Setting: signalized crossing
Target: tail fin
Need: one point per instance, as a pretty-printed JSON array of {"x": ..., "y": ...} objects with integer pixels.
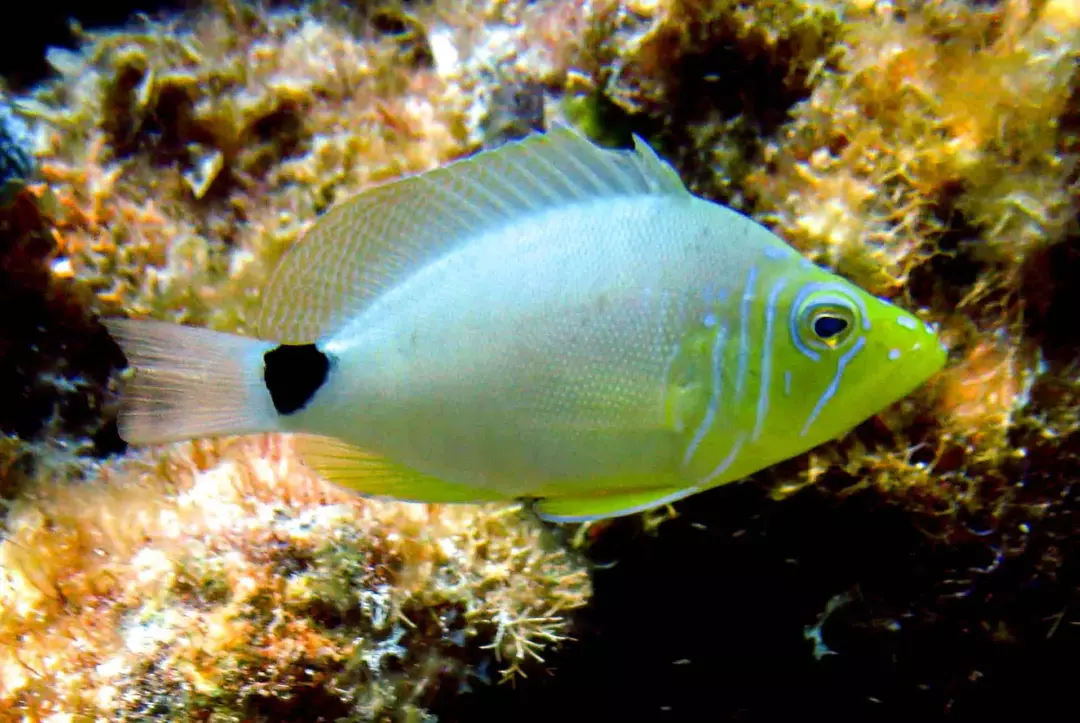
[{"x": 190, "y": 382}]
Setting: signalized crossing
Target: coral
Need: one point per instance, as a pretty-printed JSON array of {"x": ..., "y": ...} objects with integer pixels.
[
  {"x": 707, "y": 82},
  {"x": 946, "y": 109},
  {"x": 938, "y": 163},
  {"x": 188, "y": 154},
  {"x": 55, "y": 359},
  {"x": 927, "y": 150},
  {"x": 225, "y": 580}
]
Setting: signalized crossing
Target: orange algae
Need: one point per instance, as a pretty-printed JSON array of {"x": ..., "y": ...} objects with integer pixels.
[
  {"x": 948, "y": 104},
  {"x": 926, "y": 150},
  {"x": 981, "y": 392},
  {"x": 188, "y": 154},
  {"x": 225, "y": 579},
  {"x": 938, "y": 115},
  {"x": 704, "y": 81}
]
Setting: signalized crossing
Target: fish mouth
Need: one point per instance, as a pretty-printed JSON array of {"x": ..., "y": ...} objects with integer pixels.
[{"x": 911, "y": 368}]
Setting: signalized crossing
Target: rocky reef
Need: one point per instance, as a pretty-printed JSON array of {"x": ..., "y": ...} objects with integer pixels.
[
  {"x": 925, "y": 566},
  {"x": 928, "y": 151},
  {"x": 223, "y": 581}
]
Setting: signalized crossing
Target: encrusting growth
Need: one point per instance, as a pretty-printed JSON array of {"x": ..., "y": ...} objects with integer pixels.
[{"x": 225, "y": 580}]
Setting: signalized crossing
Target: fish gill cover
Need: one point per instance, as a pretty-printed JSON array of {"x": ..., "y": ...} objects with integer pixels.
[{"x": 923, "y": 567}]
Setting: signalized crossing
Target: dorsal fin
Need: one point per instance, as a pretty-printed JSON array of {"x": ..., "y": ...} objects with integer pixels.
[{"x": 368, "y": 243}]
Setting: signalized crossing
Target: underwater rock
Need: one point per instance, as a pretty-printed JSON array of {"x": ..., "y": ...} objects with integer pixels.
[
  {"x": 187, "y": 155},
  {"x": 55, "y": 359},
  {"x": 927, "y": 150},
  {"x": 227, "y": 582},
  {"x": 706, "y": 82},
  {"x": 514, "y": 111}
]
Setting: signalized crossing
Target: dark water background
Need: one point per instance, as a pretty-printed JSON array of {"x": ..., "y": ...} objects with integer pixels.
[{"x": 30, "y": 26}]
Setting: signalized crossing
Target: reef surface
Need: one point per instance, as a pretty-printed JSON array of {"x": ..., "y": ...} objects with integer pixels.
[{"x": 924, "y": 567}]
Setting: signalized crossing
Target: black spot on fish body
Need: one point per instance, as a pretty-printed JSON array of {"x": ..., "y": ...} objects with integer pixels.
[{"x": 293, "y": 373}]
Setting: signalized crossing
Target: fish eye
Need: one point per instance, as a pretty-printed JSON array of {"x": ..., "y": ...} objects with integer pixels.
[{"x": 827, "y": 324}]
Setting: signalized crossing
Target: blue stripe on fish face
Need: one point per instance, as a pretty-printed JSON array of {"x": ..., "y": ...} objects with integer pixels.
[
  {"x": 831, "y": 293},
  {"x": 730, "y": 424},
  {"x": 742, "y": 358},
  {"x": 767, "y": 348},
  {"x": 744, "y": 332},
  {"x": 717, "y": 359},
  {"x": 714, "y": 410},
  {"x": 834, "y": 385}
]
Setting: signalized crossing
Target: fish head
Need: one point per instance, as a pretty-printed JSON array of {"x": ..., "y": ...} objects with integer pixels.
[{"x": 844, "y": 355}]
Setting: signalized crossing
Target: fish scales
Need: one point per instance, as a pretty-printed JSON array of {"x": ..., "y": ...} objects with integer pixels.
[
  {"x": 548, "y": 320},
  {"x": 532, "y": 354}
]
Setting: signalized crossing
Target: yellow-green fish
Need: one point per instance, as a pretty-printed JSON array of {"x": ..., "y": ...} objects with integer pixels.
[{"x": 549, "y": 320}]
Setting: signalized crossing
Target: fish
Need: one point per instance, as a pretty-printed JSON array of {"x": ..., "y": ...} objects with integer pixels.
[{"x": 550, "y": 321}]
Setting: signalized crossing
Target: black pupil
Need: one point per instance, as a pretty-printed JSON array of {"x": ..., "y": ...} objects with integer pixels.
[{"x": 827, "y": 327}]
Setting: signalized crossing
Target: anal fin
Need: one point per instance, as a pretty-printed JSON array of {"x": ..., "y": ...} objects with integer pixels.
[
  {"x": 599, "y": 507},
  {"x": 372, "y": 475}
]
